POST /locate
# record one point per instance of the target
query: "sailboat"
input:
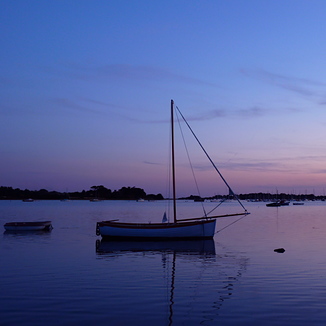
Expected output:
(180, 229)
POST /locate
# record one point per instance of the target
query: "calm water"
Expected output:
(70, 277)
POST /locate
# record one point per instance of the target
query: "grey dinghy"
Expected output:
(28, 226)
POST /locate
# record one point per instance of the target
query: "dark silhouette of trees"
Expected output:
(133, 193)
(10, 193)
(154, 197)
(129, 193)
(101, 192)
(98, 192)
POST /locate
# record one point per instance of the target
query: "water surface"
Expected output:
(70, 277)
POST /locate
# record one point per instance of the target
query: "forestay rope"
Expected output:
(217, 170)
(191, 166)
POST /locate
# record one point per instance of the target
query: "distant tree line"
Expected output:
(95, 192)
(282, 196)
(133, 193)
(261, 197)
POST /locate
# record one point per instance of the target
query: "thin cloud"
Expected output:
(87, 106)
(320, 171)
(123, 72)
(254, 112)
(208, 115)
(67, 103)
(106, 105)
(251, 112)
(289, 165)
(151, 73)
(262, 166)
(302, 86)
(239, 166)
(152, 163)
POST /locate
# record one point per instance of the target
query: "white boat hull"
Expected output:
(204, 229)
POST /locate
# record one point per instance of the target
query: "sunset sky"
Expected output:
(86, 89)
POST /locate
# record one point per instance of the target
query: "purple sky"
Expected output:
(86, 88)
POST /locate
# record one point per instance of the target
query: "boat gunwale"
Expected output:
(37, 223)
(154, 238)
(152, 225)
(28, 226)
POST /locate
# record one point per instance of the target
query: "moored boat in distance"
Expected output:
(29, 226)
(180, 229)
(273, 204)
(278, 203)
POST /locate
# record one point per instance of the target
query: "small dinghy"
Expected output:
(29, 226)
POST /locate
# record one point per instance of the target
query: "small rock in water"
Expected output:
(280, 250)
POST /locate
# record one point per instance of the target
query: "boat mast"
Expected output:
(173, 164)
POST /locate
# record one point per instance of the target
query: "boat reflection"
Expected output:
(180, 246)
(27, 233)
(196, 276)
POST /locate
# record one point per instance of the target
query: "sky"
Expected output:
(86, 88)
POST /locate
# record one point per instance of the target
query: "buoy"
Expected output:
(280, 250)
